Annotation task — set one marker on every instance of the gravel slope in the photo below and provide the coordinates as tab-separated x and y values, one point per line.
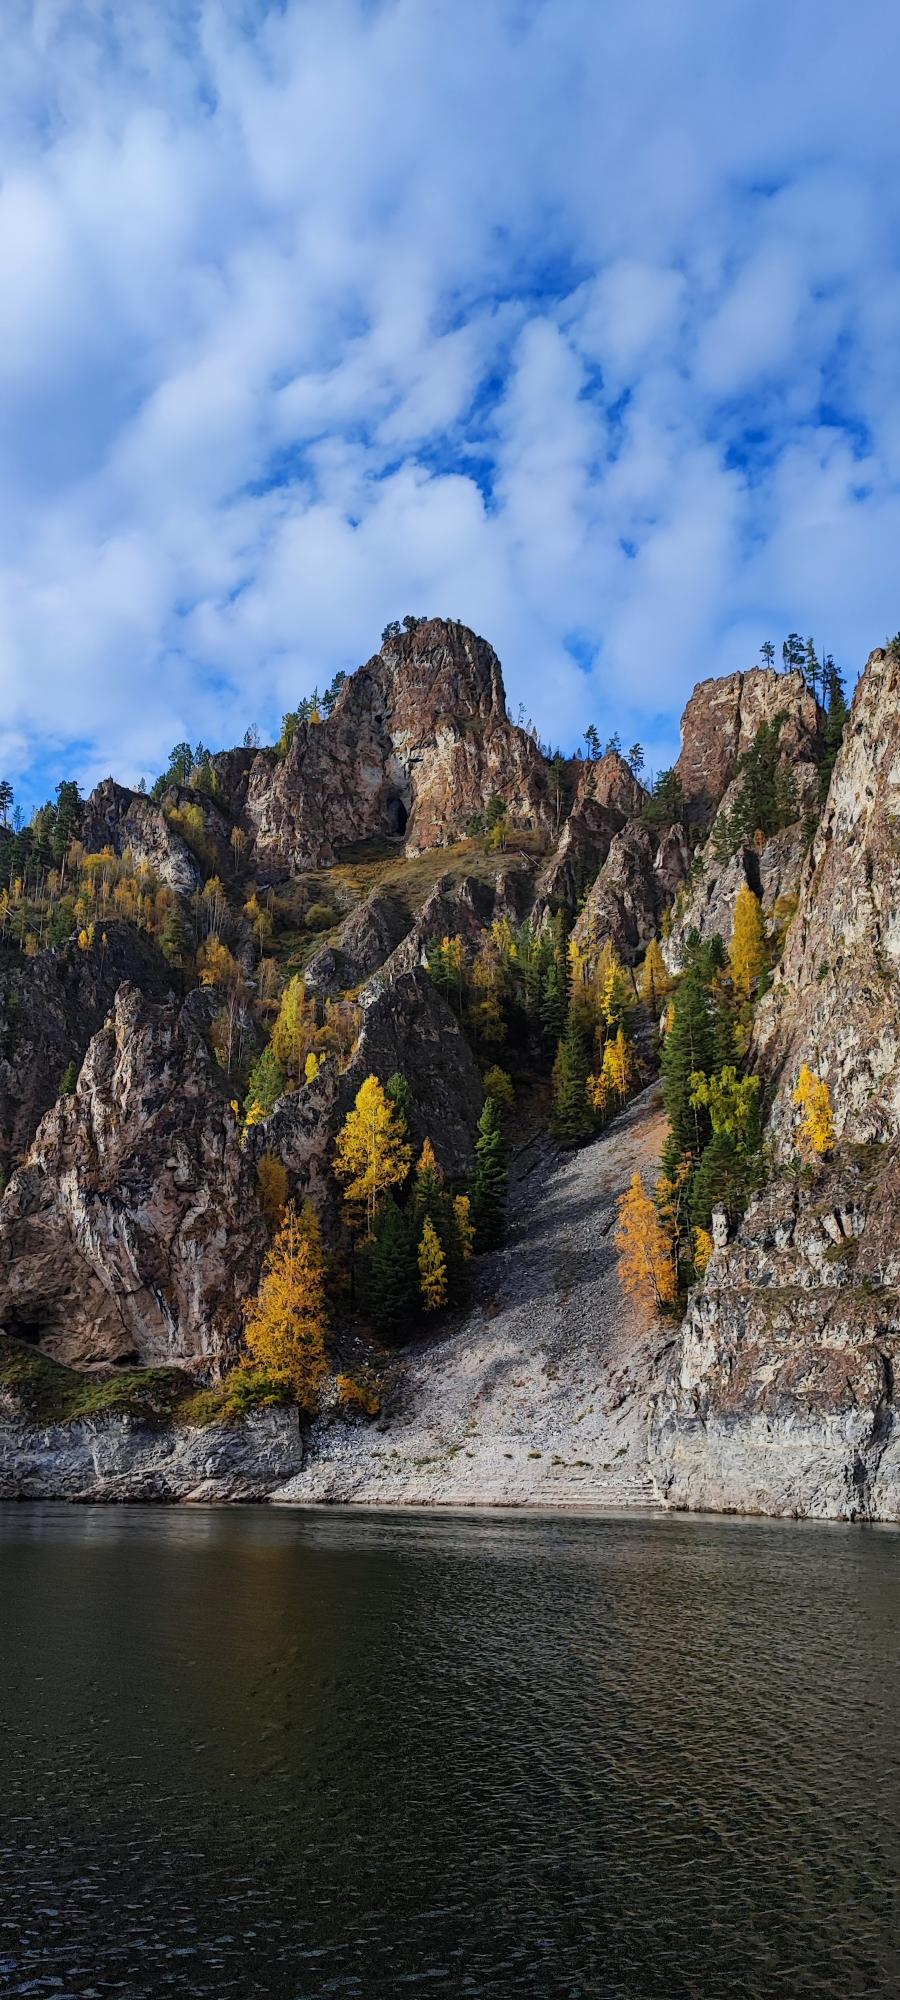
536	1395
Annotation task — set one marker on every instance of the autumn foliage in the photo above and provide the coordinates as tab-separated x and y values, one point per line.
287	1324
812	1095
646	1249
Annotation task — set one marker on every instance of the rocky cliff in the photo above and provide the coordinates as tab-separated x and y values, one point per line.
782	1393
419	740
132	1230
721	721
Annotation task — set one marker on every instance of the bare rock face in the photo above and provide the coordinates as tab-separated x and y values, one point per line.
419	740
583	846
114	1458
132	1230
124	820
781	1398
50	1006
721	721
834	1000
639	878
707	903
611	782
407	1029
365	940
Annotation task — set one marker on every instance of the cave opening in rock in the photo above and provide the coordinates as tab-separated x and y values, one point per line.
397	817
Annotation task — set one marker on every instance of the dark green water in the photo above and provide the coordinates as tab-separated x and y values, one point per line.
315	1755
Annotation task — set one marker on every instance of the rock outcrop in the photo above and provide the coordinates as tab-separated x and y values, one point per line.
639	878
132	1229
835	1000
611	782
721	721
115	1458
130	822
781	1398
407	1029
419	739
365	940
50	1006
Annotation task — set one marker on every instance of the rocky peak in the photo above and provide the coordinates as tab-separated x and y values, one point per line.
127	821
721	720
612	783
418	741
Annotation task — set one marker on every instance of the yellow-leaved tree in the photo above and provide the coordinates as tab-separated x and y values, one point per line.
812	1094
748	941
465	1228
432	1268
294	1028
655	981
272	1182
646	1249
287	1324
372	1152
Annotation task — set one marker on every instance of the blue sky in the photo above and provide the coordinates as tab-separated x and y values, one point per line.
577	321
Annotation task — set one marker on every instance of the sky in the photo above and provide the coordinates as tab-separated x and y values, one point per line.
577	320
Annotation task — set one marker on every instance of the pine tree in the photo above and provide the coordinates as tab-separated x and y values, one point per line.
392	1277
489	1181
748	941
265	1083
176	942
432	1268
287	1324
554	1006
573	1118
371	1152
691	1047
429	1196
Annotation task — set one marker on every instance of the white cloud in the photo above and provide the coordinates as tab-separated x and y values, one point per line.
579	323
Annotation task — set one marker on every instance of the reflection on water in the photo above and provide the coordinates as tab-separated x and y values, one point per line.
301	1755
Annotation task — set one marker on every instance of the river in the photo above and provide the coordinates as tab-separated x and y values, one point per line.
311	1754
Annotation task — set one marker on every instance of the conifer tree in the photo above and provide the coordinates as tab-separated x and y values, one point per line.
286	1325
371	1152
432	1268
646	1249
573	1118
654	981
265	1083
554	1004
489	1181
748	941
392	1284
817	1124
691	1047
176	942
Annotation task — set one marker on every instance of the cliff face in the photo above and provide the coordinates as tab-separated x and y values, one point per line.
132	1229
719	725
834	1000
50	1006
642	872
129	821
782	1394
418	741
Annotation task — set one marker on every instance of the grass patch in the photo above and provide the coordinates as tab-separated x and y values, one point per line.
48	1393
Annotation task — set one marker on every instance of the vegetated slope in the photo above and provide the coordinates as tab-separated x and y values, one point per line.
537	1394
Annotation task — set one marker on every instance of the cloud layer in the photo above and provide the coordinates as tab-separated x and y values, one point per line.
577	322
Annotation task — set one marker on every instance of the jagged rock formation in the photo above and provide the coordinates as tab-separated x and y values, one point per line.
707	903
611	782
407	1028
781	1399
638	880
834	1000
131	822
419	740
719	725
50	1006
365	940
132	1230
